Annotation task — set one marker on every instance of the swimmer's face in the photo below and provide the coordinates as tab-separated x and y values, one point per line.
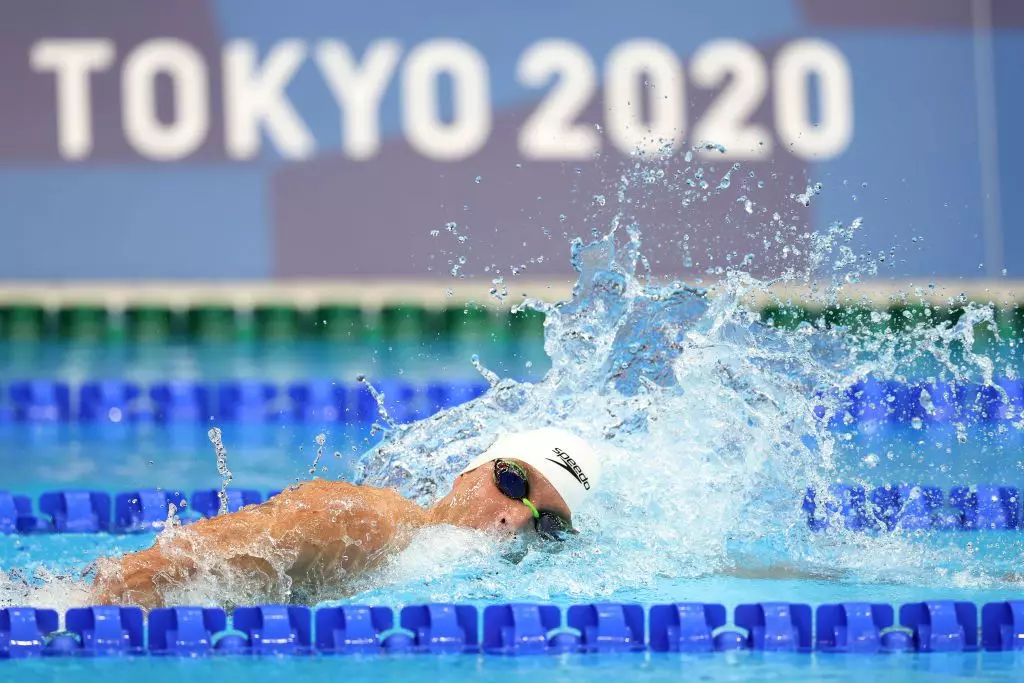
476	502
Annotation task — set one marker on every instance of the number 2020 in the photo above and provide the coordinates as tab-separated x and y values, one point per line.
645	99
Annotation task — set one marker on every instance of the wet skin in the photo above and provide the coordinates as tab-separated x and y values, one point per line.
310	538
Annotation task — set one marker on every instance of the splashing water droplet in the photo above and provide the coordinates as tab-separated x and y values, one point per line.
222	468
320	440
379	400
491	377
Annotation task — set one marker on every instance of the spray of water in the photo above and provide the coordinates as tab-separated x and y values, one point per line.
711	423
222	468
320	439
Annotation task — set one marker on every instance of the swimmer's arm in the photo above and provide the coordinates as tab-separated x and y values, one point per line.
140	578
314	529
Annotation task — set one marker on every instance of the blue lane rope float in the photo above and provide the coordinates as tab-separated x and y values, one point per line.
513	629
258	401
608	627
352	630
907	507
860	628
776	626
242	401
887	508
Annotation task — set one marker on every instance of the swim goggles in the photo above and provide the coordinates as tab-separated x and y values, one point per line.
513	482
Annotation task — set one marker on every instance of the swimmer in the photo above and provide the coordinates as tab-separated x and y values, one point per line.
308	540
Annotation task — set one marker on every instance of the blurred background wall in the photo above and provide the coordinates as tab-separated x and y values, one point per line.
228	139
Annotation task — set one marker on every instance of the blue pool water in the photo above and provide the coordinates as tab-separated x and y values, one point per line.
742	666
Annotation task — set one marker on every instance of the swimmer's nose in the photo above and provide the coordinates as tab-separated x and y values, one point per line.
518	519
505	517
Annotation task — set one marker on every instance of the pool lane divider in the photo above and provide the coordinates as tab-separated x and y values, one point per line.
207	321
116	402
218	323
514	629
888	508
910	507
133	511
257	401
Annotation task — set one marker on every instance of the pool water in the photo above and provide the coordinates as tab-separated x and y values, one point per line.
267	457
37	556
37	458
74	361
734	666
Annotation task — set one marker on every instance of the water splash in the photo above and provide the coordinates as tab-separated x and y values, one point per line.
489	376
378	398
711	423
320	439
222	468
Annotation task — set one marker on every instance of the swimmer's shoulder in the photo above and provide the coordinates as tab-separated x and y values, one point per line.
318	488
353	509
318	493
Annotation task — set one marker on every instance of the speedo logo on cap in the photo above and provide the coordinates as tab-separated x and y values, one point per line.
570	466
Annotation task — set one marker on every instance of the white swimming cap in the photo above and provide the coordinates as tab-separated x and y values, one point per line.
566	460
